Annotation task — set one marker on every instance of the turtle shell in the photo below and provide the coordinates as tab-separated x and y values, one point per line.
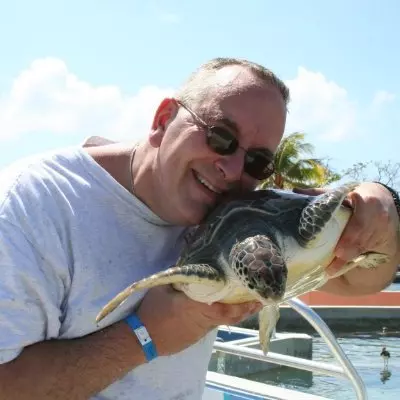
226	221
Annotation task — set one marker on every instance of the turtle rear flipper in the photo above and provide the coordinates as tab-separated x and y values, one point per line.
267	320
367	260
269	315
182	275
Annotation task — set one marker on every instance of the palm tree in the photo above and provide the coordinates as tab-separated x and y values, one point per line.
293	169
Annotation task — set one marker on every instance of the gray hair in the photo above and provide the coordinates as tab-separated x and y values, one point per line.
196	87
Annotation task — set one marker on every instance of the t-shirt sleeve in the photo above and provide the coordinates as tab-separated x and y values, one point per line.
31	294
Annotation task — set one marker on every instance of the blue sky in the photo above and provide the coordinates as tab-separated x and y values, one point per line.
71	69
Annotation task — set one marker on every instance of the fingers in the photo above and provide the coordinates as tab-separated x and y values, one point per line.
335	266
358	232
231	314
368	229
163	309
214	314
224	314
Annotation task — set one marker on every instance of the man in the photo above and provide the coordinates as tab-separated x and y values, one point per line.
78	225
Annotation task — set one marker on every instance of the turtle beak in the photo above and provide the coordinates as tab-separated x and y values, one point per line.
266	284
268	277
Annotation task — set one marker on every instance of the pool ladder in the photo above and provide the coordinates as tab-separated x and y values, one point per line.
346	369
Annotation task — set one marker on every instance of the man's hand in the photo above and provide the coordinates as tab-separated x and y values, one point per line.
80	368
175	322
372	227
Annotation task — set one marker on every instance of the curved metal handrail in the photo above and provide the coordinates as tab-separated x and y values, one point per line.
322	328
346	369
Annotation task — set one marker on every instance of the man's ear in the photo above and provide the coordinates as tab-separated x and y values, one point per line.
165	113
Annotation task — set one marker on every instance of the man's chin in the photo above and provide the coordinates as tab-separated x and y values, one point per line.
231	195
197	216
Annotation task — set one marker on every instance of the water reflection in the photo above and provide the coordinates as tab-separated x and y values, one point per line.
284	376
364	351
385	375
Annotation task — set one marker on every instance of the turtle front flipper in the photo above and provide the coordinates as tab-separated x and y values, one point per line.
182	275
320	211
267	319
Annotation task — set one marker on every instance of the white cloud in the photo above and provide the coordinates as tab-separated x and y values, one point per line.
325	110
47	97
320	107
382	97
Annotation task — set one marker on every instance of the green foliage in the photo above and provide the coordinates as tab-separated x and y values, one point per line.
295	169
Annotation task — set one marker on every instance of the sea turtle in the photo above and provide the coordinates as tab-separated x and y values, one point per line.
267	245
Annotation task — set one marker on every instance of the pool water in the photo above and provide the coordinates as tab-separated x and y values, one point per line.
394	287
363	350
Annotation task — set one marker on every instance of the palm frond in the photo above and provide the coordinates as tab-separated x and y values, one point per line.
295	165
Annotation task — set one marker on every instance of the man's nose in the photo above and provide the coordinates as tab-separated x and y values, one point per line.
231	166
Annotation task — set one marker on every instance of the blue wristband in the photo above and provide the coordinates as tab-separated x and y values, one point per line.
143	336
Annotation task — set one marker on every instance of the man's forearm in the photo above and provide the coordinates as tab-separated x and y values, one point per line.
361	281
74	369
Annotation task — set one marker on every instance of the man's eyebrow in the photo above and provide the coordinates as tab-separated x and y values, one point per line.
229	123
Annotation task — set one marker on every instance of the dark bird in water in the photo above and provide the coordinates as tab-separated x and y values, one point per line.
385	355
385	375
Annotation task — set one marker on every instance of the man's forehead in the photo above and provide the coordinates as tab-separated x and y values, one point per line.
257	116
220	96
228	105
234	76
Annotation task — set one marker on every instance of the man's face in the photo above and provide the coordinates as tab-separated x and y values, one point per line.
191	176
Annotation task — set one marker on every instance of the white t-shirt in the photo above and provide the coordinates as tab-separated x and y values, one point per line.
71	238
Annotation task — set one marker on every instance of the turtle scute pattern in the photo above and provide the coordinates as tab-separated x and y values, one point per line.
200	271
315	216
202	234
259	265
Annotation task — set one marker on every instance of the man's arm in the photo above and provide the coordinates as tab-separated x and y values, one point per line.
79	368
373	227
361	281
71	369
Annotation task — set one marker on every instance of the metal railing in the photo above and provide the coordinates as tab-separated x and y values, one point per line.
346	369
322	328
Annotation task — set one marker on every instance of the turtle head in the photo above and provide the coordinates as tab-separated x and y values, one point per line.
258	264
290	224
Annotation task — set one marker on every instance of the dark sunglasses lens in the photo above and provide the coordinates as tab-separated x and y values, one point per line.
259	165
221	141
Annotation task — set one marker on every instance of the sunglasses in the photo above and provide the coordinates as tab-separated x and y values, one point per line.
258	162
